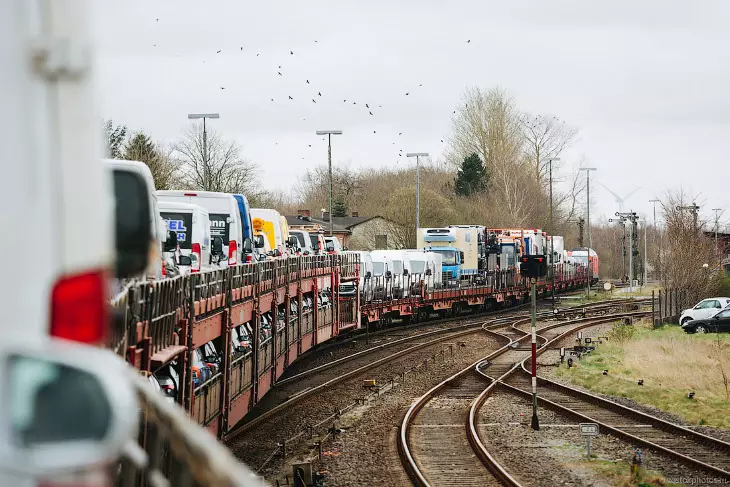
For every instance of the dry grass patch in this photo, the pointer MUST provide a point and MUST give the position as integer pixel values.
(671, 363)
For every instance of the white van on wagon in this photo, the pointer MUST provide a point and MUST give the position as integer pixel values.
(225, 221)
(159, 233)
(188, 227)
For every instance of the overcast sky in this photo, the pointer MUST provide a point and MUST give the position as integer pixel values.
(645, 83)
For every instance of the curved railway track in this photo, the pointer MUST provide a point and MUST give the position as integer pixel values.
(438, 440)
(690, 447)
(295, 388)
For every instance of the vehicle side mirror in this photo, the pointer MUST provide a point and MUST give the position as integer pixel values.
(405, 272)
(277, 253)
(428, 272)
(132, 222)
(66, 407)
(368, 275)
(293, 242)
(184, 260)
(216, 246)
(461, 256)
(171, 242)
(330, 247)
(247, 245)
(388, 274)
(259, 241)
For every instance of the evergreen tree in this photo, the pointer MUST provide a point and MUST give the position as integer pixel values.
(339, 206)
(472, 177)
(114, 136)
(140, 147)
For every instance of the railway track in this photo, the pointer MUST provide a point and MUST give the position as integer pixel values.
(636, 427)
(438, 440)
(293, 389)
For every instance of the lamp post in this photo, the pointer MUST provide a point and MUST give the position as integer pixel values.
(196, 116)
(552, 229)
(588, 223)
(418, 155)
(329, 134)
(659, 246)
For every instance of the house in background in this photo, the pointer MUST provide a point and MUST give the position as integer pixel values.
(354, 232)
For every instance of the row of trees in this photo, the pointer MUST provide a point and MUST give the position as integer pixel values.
(495, 173)
(186, 164)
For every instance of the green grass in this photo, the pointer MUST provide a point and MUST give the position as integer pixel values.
(671, 363)
(618, 473)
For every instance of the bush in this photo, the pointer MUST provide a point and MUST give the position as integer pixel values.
(621, 333)
(725, 286)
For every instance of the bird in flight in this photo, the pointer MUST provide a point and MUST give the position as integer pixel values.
(421, 84)
(370, 113)
(272, 99)
(367, 106)
(280, 73)
(319, 93)
(314, 101)
(373, 131)
(218, 51)
(291, 52)
(242, 48)
(157, 20)
(407, 93)
(257, 54)
(290, 97)
(468, 41)
(223, 88)
(308, 82)
(400, 133)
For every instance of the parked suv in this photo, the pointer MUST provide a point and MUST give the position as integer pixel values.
(705, 309)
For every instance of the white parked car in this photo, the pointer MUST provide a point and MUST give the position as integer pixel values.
(706, 308)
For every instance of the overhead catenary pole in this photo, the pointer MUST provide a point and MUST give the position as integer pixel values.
(418, 155)
(717, 220)
(206, 158)
(658, 244)
(329, 134)
(588, 224)
(646, 272)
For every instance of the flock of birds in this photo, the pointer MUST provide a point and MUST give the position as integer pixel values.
(366, 105)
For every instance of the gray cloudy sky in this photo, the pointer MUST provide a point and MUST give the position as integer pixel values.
(644, 82)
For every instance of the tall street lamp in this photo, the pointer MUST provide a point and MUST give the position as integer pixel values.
(195, 116)
(329, 134)
(588, 223)
(418, 155)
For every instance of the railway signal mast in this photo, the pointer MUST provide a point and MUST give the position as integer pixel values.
(534, 266)
(633, 218)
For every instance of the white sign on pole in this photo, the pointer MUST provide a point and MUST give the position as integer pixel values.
(588, 430)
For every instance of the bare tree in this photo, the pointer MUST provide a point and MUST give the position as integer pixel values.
(487, 123)
(690, 263)
(224, 169)
(545, 138)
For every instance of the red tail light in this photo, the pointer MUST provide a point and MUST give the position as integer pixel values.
(78, 308)
(232, 250)
(196, 257)
(249, 258)
(164, 268)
